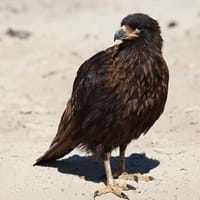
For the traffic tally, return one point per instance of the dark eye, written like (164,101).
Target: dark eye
(142,29)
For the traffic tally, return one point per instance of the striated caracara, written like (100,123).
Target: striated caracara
(118,94)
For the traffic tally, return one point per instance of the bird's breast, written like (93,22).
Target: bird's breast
(138,88)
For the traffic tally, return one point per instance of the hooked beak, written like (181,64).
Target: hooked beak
(125,33)
(120,34)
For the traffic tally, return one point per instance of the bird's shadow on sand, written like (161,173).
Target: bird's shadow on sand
(92,169)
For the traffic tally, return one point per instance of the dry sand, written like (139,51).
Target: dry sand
(36,76)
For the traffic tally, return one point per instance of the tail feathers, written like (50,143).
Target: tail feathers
(56,151)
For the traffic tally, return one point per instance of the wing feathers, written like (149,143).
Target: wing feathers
(64,141)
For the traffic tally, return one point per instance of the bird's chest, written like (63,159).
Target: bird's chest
(137,89)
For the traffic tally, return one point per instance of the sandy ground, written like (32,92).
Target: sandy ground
(36,76)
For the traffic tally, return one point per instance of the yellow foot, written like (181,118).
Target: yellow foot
(115,189)
(135,177)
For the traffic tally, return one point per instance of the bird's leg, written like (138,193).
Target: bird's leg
(122,174)
(111,187)
(122,168)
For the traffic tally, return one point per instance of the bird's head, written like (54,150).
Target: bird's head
(139,27)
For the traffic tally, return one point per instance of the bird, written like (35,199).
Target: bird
(118,94)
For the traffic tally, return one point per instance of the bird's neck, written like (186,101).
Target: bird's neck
(142,46)
(139,50)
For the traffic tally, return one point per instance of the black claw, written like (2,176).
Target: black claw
(96,194)
(124,196)
(136,179)
(130,187)
(151,178)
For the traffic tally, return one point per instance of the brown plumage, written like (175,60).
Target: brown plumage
(118,94)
